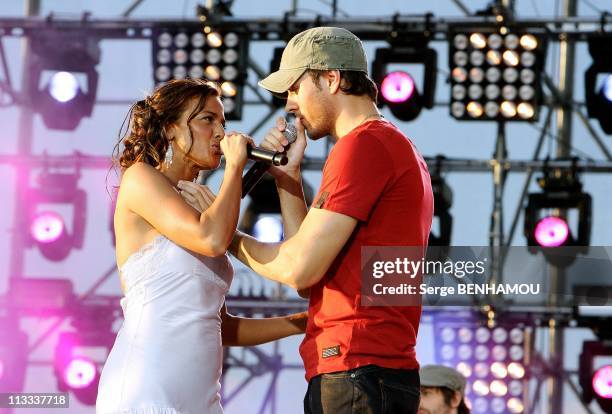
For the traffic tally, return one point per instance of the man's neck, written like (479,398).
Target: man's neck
(353,111)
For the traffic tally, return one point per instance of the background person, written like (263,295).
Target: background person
(442,391)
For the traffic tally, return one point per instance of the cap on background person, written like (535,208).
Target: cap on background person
(442,376)
(442,391)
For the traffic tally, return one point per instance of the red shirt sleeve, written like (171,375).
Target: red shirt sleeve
(355,175)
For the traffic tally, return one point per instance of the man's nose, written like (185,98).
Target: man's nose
(291,106)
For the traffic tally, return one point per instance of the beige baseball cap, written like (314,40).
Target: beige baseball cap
(441,376)
(320,48)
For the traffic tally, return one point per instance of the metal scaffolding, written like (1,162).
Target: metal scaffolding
(566,30)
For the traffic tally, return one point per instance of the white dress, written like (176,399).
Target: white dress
(167,356)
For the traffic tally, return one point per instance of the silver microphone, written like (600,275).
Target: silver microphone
(258,170)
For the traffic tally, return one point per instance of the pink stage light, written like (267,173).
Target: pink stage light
(551,231)
(63,86)
(602,382)
(47,227)
(80,373)
(1,369)
(397,87)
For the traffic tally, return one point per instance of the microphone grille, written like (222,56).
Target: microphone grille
(290,133)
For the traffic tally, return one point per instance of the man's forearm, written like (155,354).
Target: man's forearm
(293,206)
(268,259)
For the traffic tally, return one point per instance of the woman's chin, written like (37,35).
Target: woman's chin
(210,164)
(216,162)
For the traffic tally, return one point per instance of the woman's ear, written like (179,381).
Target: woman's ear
(170,132)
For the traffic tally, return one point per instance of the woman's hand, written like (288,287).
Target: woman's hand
(234,148)
(197,196)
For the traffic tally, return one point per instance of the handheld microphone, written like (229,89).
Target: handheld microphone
(266,156)
(257,171)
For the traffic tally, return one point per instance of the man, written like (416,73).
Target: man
(376,190)
(442,390)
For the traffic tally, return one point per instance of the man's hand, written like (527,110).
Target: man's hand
(275,141)
(197,196)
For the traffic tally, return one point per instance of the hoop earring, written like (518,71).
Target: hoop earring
(169,155)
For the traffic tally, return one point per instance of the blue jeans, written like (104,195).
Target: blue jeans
(365,390)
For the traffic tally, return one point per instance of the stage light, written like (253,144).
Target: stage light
(499,370)
(602,382)
(498,64)
(478,40)
(398,89)
(508,109)
(13,356)
(494,378)
(480,388)
(49,206)
(598,81)
(481,370)
(511,58)
(481,405)
(515,406)
(80,373)
(551,231)
(213,73)
(80,354)
(441,229)
(525,110)
(499,353)
(268,229)
(74,369)
(465,369)
(47,227)
(493,57)
(216,55)
(63,86)
(63,79)
(475,109)
(516,370)
(262,217)
(529,42)
(228,89)
(595,373)
(545,226)
(214,39)
(499,388)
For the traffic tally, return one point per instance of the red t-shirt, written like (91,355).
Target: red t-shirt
(376,175)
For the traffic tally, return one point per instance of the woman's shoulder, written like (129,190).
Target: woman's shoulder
(141,174)
(139,169)
(141,182)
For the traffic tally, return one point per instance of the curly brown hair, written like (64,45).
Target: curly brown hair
(145,138)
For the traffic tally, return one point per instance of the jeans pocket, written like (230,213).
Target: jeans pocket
(399,398)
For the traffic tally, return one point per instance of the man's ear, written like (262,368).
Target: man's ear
(333,79)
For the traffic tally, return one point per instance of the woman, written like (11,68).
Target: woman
(174,272)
